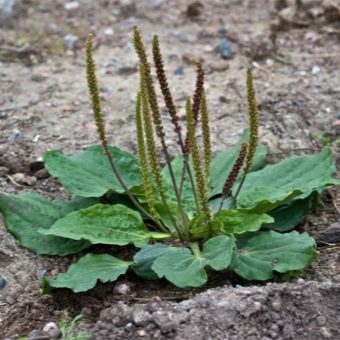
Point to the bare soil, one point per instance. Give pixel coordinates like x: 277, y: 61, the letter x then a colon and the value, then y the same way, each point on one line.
x: 294, y: 51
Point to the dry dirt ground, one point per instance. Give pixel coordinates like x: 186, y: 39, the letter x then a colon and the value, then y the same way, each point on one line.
x: 294, y: 51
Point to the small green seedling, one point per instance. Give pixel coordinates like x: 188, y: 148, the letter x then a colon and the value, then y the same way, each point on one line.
x: 68, y: 332
x: 198, y: 213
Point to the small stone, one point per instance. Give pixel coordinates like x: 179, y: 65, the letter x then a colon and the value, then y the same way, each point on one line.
x: 3, y: 171
x: 181, y: 37
x: 52, y: 330
x: 141, y: 332
x: 10, y: 300
x: 208, y: 48
x: 219, y: 66
x: 326, y: 333
x: 300, y: 281
x: 2, y: 283
x: 23, y: 179
x: 72, y: 5
x: 39, y: 77
x: 224, y: 49
x: 3, y: 115
x: 315, y: 70
x: 122, y: 288
x: 194, y: 9
x: 70, y: 40
x: 108, y: 31
x: 16, y: 135
x: 179, y: 71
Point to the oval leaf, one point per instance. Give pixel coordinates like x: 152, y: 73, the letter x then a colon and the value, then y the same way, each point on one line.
x: 106, y: 224
x: 241, y: 221
x: 84, y: 274
x: 289, y: 215
x: 259, y: 254
x: 26, y: 213
x: 89, y: 174
x: 276, y: 184
x: 181, y: 268
x: 218, y: 251
x: 144, y: 259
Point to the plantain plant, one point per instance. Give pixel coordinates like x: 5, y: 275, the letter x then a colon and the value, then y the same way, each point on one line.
x: 198, y: 213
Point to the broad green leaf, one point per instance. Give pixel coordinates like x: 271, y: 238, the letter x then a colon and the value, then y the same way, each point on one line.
x: 188, y: 199
x: 26, y: 213
x: 276, y: 184
x: 223, y: 161
x: 218, y: 251
x: 184, y: 269
x: 84, y: 274
x: 259, y: 254
x: 144, y: 259
x: 181, y: 268
x: 89, y: 174
x: 241, y: 221
x: 289, y: 215
x: 106, y: 224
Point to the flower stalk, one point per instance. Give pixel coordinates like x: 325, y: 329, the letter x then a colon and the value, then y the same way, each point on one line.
x: 235, y: 170
x: 253, y: 115
x: 156, y: 116
x: 201, y: 183
x: 100, y: 124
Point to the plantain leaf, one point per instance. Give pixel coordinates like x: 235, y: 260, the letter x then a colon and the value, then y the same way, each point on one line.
x: 276, y: 184
x: 181, y: 268
x: 289, y: 215
x: 218, y: 251
x: 26, y: 213
x: 241, y: 221
x: 84, y: 274
x: 259, y: 254
x: 89, y: 174
x: 106, y: 224
x: 144, y: 259
x: 184, y: 269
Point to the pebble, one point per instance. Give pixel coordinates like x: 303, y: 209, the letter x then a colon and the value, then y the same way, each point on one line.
x: 15, y: 136
x: 179, y: 71
x: 123, y: 289
x: 70, y: 40
x: 108, y: 31
x: 315, y: 70
x: 224, y: 49
x: 219, y: 66
x: 3, y: 171
x: 181, y: 36
x: 3, y: 115
x: 208, y: 48
x: 52, y: 330
x: 141, y: 332
x: 23, y: 179
x: 2, y: 283
x: 72, y: 5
